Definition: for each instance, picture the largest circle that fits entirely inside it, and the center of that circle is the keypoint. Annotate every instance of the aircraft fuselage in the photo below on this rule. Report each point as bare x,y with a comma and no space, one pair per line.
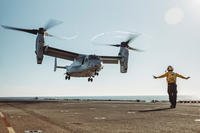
84,66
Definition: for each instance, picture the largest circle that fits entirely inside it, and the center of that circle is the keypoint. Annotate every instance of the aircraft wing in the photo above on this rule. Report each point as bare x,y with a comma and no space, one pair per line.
50,51
110,59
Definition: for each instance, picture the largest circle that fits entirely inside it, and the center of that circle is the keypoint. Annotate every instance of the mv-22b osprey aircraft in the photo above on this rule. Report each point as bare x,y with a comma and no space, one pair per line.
82,65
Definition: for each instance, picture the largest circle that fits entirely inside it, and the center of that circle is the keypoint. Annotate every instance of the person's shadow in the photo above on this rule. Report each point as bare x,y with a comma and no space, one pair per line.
154,110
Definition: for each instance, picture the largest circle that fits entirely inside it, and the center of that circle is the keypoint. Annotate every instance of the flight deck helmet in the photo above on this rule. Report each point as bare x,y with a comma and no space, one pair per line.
170,68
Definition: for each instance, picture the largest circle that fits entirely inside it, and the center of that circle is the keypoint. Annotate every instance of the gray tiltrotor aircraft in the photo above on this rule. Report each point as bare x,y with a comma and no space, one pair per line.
83,65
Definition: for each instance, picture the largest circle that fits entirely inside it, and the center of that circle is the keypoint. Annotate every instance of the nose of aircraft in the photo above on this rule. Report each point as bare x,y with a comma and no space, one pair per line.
97,65
100,65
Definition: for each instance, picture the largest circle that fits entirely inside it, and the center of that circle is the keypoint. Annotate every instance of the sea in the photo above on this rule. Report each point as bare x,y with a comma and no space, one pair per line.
146,98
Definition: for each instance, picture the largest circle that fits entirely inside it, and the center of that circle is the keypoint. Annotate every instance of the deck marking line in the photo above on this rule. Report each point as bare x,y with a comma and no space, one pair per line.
10,130
197,120
1,114
6,123
99,118
186,114
131,112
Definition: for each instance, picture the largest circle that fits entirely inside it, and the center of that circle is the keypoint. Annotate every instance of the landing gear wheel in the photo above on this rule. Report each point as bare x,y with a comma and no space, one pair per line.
97,74
90,79
67,77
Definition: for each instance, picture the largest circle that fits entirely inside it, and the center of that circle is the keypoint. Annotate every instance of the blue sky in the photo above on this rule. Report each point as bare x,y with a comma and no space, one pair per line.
164,44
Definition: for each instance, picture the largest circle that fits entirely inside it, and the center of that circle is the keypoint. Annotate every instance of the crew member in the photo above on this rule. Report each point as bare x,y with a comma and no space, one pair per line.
172,87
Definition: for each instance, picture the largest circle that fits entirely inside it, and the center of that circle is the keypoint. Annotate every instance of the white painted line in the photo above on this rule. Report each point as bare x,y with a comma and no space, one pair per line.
99,118
197,120
1,114
10,130
77,113
187,114
131,112
33,131
62,111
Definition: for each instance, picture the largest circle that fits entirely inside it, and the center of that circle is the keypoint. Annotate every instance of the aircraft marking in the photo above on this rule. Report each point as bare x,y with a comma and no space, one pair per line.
1,114
7,124
197,120
99,118
131,112
10,130
186,114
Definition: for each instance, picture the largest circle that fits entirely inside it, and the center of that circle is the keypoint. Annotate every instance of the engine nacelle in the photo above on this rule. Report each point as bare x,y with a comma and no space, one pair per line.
124,54
39,48
39,59
123,65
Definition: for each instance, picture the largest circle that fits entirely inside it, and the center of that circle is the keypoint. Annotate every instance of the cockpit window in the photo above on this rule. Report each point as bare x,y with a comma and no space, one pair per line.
79,60
83,61
86,60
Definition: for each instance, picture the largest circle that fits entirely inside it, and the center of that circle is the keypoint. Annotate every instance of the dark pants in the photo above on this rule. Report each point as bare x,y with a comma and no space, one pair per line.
172,92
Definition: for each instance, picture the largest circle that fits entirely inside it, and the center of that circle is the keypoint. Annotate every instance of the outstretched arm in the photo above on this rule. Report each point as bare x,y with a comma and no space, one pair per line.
181,76
161,76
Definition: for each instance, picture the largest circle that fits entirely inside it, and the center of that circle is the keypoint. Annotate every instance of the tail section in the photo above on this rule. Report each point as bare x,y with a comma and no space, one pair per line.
55,65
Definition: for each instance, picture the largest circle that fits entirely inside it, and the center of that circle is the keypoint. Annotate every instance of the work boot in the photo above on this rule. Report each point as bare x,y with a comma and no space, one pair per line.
173,106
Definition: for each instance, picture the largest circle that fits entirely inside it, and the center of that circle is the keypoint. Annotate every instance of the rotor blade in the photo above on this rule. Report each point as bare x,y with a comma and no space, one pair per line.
51,23
106,44
131,37
50,35
115,45
138,50
32,31
47,34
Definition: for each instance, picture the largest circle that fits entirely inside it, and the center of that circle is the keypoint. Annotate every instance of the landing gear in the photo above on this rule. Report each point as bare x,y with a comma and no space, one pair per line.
97,74
67,77
90,79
